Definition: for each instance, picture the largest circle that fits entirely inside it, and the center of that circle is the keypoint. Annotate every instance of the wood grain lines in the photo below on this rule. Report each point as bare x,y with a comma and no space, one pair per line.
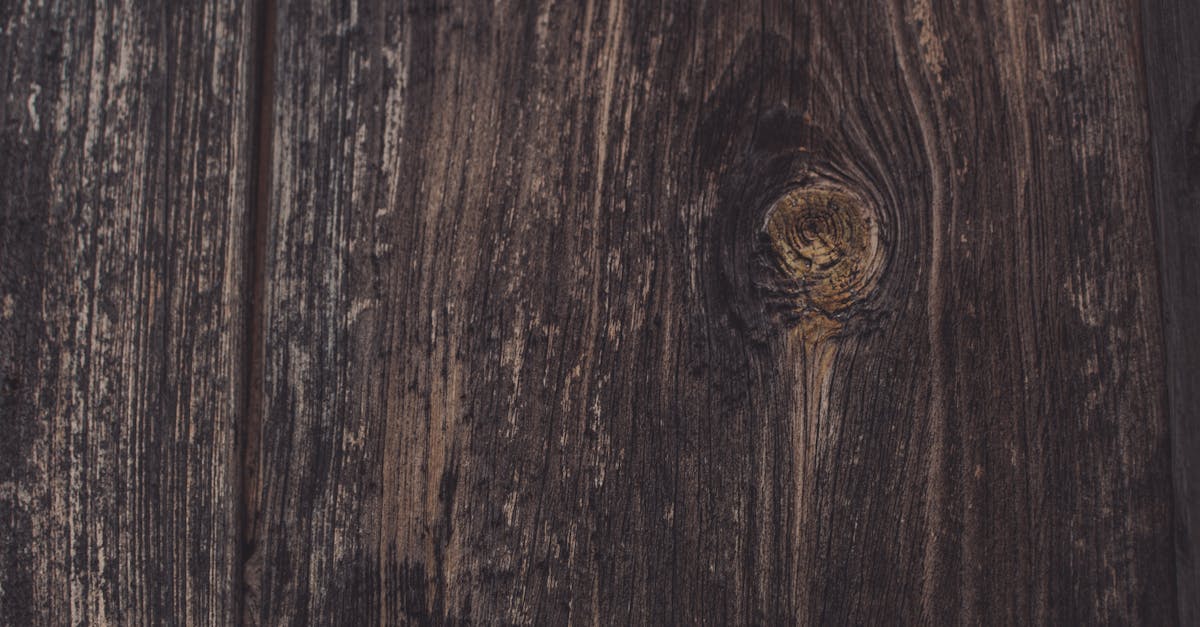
621,312
122,212
1173,77
519,367
820,255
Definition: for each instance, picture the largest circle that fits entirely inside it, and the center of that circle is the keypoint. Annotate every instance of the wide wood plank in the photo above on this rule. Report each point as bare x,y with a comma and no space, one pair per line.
123,206
642,313
1173,77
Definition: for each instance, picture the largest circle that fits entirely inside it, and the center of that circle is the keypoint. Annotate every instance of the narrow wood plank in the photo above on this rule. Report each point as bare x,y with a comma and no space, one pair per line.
1173,76
649,313
122,213
1053,470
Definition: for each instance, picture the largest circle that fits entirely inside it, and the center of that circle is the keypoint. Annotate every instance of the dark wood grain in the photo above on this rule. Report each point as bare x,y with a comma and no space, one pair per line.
122,221
1173,77
541,345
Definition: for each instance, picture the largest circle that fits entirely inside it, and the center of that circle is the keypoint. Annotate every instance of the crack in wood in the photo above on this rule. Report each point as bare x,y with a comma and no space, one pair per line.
261,105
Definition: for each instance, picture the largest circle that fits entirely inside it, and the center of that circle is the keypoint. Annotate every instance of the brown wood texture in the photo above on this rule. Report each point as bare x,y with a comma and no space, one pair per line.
598,312
541,348
1173,76
122,221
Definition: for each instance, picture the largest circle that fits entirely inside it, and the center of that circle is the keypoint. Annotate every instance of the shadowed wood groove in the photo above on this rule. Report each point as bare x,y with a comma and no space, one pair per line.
261,105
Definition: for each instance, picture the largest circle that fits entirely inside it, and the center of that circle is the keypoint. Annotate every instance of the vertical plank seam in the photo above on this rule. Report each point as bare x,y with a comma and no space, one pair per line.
260,109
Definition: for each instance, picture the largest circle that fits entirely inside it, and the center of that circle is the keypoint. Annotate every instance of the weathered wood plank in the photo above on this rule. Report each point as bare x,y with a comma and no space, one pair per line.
1173,77
122,213
542,347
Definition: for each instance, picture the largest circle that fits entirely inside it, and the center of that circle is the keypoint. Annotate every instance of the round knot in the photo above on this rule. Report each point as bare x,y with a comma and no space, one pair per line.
820,253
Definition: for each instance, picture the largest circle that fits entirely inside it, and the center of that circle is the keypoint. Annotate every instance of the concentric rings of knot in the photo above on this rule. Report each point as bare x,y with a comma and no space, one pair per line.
820,251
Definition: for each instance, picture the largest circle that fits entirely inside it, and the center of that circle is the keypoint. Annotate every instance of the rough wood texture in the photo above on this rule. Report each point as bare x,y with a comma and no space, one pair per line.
609,312
536,352
122,212
1173,76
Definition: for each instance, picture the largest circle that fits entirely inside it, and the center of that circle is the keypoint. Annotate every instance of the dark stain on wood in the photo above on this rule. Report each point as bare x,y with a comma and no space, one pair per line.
599,312
1173,78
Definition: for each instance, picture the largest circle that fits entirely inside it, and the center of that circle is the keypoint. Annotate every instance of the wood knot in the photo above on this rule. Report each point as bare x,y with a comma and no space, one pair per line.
819,256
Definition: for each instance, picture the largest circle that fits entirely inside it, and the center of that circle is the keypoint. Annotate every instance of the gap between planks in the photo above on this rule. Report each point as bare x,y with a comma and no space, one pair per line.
260,105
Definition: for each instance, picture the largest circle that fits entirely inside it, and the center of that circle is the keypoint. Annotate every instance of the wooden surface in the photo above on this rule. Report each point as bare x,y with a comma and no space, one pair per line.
598,313
517,366
122,221
1173,74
